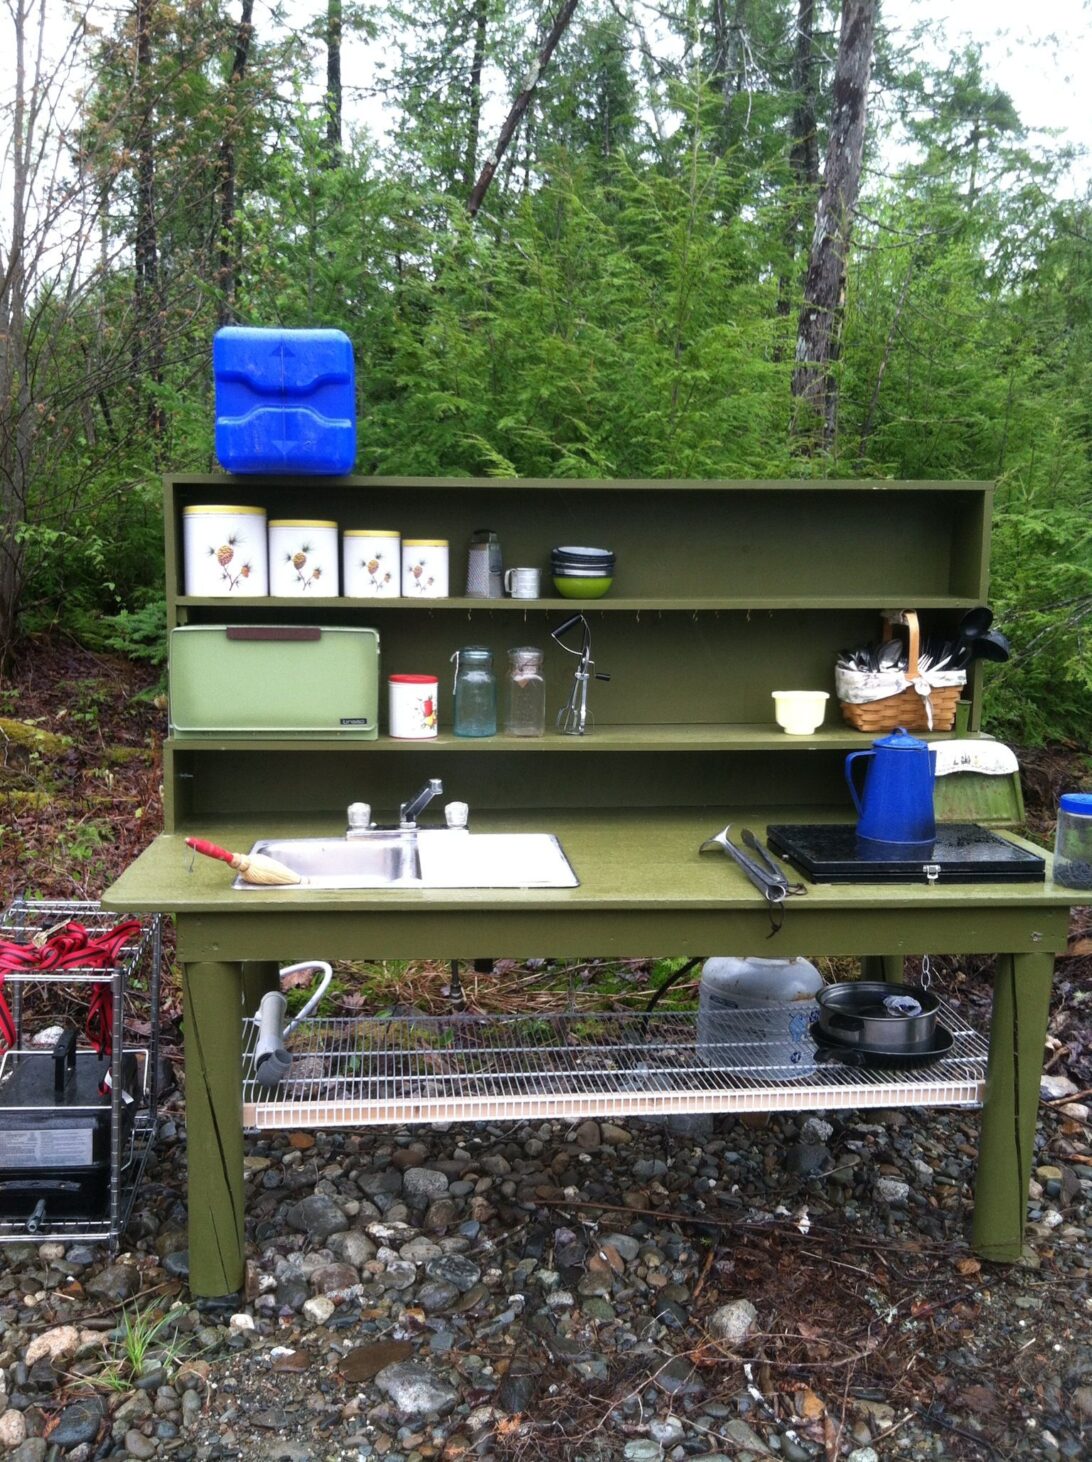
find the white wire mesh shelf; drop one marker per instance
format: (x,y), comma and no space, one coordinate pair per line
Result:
(25,918)
(373,1071)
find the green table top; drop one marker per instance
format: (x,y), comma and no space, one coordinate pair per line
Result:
(625,860)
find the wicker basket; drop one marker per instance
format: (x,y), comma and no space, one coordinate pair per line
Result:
(935,711)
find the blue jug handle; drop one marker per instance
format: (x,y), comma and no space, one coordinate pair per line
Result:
(853,755)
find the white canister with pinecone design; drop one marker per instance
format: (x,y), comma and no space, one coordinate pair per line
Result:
(424,568)
(224,551)
(302,558)
(371,563)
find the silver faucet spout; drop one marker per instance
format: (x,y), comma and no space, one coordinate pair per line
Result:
(409,812)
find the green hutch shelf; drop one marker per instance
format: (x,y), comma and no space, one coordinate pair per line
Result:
(724,592)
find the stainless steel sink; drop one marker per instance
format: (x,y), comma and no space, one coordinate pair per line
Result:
(377,860)
(422,858)
(453,858)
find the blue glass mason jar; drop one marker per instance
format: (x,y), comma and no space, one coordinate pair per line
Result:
(475,692)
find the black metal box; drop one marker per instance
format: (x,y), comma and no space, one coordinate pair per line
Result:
(55,1139)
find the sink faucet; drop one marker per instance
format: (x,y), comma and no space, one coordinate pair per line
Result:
(409,811)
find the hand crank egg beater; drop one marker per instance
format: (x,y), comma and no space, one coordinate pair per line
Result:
(574,718)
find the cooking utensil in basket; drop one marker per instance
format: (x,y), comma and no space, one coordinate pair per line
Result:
(887,697)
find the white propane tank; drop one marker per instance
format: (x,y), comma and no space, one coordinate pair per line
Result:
(768,1038)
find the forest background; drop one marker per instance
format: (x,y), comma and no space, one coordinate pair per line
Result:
(625,298)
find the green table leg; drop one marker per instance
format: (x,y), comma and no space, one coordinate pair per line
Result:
(259,977)
(1021,1005)
(212,996)
(887,967)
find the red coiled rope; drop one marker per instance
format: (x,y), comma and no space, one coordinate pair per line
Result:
(71,947)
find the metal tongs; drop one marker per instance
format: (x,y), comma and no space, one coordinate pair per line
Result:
(768,877)
(573,718)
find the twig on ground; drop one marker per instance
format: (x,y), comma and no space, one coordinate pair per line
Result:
(1073,1096)
(704,1275)
(663,1215)
(931,1418)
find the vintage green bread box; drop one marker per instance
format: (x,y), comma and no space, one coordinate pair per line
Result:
(274,680)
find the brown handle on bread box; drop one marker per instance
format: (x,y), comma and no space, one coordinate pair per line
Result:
(274,632)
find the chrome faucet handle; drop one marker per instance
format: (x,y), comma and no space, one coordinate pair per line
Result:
(408,811)
(456,814)
(360,818)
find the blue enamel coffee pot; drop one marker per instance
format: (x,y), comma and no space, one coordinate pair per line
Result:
(897,803)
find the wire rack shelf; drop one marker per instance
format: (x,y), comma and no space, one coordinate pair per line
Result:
(132,1134)
(24,919)
(100,1227)
(378,1070)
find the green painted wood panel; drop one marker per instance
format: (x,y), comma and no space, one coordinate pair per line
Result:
(629,862)
(712,668)
(219,786)
(679,540)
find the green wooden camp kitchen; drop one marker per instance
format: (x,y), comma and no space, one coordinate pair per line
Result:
(723,593)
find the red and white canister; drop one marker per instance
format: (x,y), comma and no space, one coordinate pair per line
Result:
(413,707)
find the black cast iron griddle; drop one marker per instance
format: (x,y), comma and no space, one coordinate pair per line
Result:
(880,1057)
(963,852)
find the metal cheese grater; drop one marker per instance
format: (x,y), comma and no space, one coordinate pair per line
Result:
(484,568)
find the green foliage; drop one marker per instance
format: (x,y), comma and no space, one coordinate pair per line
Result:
(1043,594)
(625,304)
(141,634)
(138,1345)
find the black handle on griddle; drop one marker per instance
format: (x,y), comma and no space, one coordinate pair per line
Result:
(64,1060)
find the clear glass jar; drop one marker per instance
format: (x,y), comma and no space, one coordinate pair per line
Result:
(1073,841)
(525,693)
(475,692)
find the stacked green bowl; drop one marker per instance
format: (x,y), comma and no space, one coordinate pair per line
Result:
(582,573)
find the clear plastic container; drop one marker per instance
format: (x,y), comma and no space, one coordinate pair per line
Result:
(1073,841)
(770,1037)
(475,692)
(525,693)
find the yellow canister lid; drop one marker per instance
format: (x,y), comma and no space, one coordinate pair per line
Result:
(301,523)
(372,533)
(221,508)
(425,542)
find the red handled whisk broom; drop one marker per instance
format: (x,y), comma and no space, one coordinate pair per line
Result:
(252,867)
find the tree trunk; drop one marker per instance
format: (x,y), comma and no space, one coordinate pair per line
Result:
(814,386)
(519,106)
(870,414)
(804,152)
(729,51)
(14,386)
(148,352)
(228,251)
(333,82)
(470,166)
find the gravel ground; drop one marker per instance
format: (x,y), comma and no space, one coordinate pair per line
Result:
(791,1286)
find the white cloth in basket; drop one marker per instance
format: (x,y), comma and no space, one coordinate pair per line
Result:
(861,687)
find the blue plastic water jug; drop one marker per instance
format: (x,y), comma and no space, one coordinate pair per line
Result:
(285,400)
